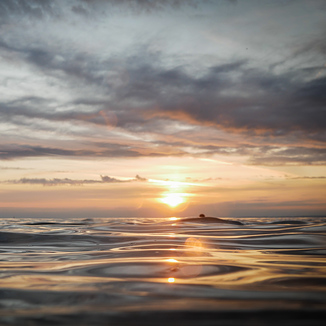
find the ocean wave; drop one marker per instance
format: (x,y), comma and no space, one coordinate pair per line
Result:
(103,270)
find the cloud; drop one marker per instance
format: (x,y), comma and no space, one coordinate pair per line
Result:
(107,179)
(33,8)
(51,182)
(41,9)
(190,179)
(73,182)
(256,102)
(139,178)
(315,45)
(290,156)
(307,177)
(12,168)
(23,151)
(147,95)
(230,95)
(258,155)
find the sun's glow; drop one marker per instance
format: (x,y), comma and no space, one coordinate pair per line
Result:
(173,200)
(171,279)
(173,184)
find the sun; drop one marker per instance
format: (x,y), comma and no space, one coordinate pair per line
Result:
(173,200)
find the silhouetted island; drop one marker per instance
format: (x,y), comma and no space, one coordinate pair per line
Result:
(207,219)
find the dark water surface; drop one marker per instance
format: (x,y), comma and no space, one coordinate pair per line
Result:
(128,271)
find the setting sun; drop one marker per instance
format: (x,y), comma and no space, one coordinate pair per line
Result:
(173,200)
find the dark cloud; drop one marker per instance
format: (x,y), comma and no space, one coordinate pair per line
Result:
(34,8)
(290,156)
(231,96)
(315,45)
(51,182)
(258,101)
(12,168)
(307,177)
(107,179)
(311,49)
(23,151)
(139,94)
(55,8)
(139,178)
(73,182)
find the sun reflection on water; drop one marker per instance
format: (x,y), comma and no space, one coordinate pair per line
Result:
(195,245)
(171,260)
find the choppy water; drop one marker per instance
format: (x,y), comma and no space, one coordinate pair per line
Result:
(118,271)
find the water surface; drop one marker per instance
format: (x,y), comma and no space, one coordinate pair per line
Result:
(146,271)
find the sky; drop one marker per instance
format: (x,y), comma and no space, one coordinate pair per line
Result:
(162,108)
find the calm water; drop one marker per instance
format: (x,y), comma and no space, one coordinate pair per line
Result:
(118,271)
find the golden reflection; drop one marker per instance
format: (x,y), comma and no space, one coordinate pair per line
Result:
(173,218)
(196,245)
(171,279)
(171,260)
(191,270)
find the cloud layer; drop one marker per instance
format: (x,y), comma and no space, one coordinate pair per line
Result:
(96,93)
(72,182)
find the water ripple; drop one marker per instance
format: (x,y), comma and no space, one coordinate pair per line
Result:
(99,271)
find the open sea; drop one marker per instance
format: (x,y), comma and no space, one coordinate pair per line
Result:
(162,271)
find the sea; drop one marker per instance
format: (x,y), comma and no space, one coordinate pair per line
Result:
(162,271)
